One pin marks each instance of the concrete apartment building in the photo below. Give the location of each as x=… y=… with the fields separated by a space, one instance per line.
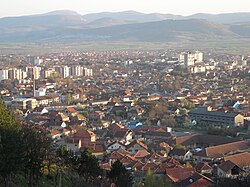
x=204 y=115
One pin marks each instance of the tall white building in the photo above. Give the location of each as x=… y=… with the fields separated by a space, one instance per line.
x=38 y=61
x=37 y=72
x=88 y=72
x=3 y=74
x=189 y=58
x=66 y=70
x=76 y=71
x=198 y=56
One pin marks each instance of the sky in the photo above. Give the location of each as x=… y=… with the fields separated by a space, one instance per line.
x=180 y=7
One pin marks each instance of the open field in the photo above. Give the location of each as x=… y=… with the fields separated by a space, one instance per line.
x=241 y=46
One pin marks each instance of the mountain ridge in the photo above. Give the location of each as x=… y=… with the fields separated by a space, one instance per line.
x=66 y=25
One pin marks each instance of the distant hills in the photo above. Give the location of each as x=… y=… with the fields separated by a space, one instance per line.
x=66 y=25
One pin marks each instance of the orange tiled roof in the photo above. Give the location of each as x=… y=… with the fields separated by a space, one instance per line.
x=220 y=150
x=71 y=110
x=242 y=159
x=179 y=174
x=137 y=142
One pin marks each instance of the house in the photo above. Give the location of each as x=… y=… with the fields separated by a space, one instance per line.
x=42 y=100
x=242 y=160
x=97 y=149
x=96 y=115
x=70 y=111
x=24 y=103
x=181 y=154
x=123 y=135
x=195 y=180
x=153 y=157
x=115 y=146
x=228 y=169
x=58 y=125
x=85 y=136
x=58 y=116
x=73 y=144
x=40 y=110
x=204 y=168
x=220 y=151
x=26 y=112
x=36 y=119
x=119 y=132
x=117 y=155
x=201 y=141
x=151 y=132
x=127 y=160
x=176 y=175
x=141 y=154
x=53 y=98
x=136 y=145
x=56 y=134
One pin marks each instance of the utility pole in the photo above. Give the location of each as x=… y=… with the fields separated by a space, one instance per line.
x=34 y=85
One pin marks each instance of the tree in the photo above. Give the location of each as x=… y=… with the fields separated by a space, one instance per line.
x=88 y=167
x=155 y=181
x=37 y=147
x=68 y=99
x=11 y=152
x=168 y=120
x=188 y=105
x=119 y=175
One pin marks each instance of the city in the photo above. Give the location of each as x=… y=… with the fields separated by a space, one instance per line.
x=134 y=93
x=168 y=111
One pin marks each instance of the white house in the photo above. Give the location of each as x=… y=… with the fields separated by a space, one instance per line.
x=115 y=146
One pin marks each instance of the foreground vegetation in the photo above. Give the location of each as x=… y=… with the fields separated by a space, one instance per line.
x=28 y=158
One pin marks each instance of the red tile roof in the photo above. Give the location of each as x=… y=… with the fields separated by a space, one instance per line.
x=71 y=110
x=227 y=165
x=141 y=154
x=179 y=174
x=242 y=159
x=137 y=142
x=149 y=165
x=203 y=166
x=221 y=150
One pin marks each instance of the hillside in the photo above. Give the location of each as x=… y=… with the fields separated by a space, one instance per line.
x=65 y=25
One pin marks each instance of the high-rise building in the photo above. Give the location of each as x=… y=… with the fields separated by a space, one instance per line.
x=15 y=73
x=87 y=72
x=76 y=71
x=189 y=58
x=64 y=71
x=36 y=72
x=3 y=74
x=38 y=61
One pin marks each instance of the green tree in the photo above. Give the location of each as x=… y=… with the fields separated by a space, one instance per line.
x=155 y=181
x=37 y=147
x=168 y=120
x=188 y=105
x=68 y=99
x=119 y=175
x=11 y=152
x=88 y=167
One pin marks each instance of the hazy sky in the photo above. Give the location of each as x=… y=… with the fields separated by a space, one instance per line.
x=182 y=7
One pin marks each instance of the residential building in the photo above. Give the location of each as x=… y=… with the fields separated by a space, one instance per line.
x=202 y=115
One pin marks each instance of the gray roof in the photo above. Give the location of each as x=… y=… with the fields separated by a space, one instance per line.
x=204 y=111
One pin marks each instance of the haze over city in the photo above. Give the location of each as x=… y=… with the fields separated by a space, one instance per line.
x=27 y=7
